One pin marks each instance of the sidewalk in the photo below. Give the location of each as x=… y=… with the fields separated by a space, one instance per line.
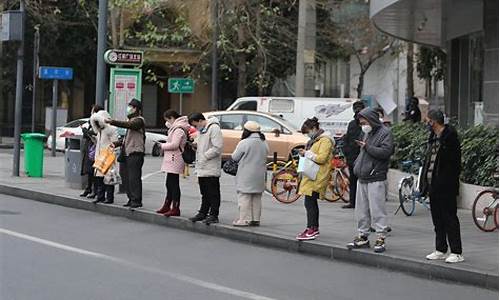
x=411 y=239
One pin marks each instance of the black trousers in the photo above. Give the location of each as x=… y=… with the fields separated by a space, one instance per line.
x=210 y=195
x=353 y=185
x=312 y=210
x=173 y=188
x=104 y=191
x=91 y=183
x=446 y=224
x=133 y=164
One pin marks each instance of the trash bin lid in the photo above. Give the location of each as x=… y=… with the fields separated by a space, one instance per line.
x=32 y=135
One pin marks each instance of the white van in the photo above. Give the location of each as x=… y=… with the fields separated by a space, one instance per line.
x=334 y=114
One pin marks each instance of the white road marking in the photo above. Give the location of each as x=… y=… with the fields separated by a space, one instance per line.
x=150 y=174
x=177 y=276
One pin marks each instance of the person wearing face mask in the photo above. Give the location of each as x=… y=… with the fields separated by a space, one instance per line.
x=173 y=163
x=440 y=177
x=351 y=151
x=371 y=168
x=133 y=147
x=319 y=150
x=209 y=145
x=106 y=136
x=88 y=156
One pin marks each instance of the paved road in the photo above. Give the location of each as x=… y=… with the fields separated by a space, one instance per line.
x=52 y=252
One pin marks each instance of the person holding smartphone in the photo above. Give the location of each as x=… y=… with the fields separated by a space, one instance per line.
x=351 y=151
x=371 y=168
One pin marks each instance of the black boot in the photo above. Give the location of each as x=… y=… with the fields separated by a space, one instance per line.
x=198 y=217
x=85 y=193
x=211 y=220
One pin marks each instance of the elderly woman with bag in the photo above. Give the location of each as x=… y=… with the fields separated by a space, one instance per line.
x=251 y=156
x=106 y=136
x=319 y=151
x=173 y=163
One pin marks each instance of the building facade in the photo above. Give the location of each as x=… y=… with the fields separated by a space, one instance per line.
x=467 y=30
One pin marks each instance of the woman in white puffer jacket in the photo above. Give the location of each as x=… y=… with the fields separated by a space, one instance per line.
x=106 y=135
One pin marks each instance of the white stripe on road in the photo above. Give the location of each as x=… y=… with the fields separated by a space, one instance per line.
x=150 y=174
x=177 y=276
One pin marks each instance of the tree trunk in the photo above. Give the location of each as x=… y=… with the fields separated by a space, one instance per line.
x=122 y=29
x=114 y=27
x=361 y=83
x=260 y=59
x=410 y=91
x=242 y=67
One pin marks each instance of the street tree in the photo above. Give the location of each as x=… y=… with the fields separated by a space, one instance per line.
x=353 y=30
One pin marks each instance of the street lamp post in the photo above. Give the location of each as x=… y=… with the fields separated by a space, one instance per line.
x=19 y=98
x=101 y=48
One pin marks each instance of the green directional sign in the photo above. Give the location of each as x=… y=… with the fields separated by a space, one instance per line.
x=180 y=85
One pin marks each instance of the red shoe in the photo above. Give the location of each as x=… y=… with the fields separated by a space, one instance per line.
x=174 y=212
x=165 y=208
x=308 y=234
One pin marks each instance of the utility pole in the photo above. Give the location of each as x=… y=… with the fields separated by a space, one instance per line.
x=19 y=97
x=36 y=46
x=215 y=32
x=101 y=48
x=306 y=49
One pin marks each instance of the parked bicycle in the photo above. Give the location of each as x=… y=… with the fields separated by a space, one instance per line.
x=282 y=179
x=409 y=192
x=485 y=210
x=338 y=185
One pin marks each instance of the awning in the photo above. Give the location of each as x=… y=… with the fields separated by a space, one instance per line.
x=418 y=21
x=428 y=22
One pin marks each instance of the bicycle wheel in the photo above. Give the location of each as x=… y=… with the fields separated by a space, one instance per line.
x=483 y=210
x=341 y=181
x=285 y=186
x=330 y=193
x=496 y=216
x=269 y=173
x=406 y=199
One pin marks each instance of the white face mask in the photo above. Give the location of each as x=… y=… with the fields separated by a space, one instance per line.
x=168 y=125
x=381 y=120
x=130 y=110
x=366 y=128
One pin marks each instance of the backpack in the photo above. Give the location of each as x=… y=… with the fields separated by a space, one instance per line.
x=188 y=153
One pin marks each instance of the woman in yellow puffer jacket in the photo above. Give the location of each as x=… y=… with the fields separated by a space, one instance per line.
x=318 y=149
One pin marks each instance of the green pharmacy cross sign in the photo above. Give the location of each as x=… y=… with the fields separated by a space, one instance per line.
x=180 y=85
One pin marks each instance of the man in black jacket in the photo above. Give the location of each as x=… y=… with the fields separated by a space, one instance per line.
x=441 y=174
x=351 y=151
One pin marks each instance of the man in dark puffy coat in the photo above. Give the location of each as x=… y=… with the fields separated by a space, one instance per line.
x=351 y=151
x=441 y=177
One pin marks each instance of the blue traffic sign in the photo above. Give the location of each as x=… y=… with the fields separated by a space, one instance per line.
x=55 y=73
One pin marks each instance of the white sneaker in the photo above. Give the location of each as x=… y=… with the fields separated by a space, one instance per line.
x=436 y=255
x=454 y=258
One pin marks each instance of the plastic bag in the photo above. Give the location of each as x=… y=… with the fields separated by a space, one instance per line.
x=308 y=167
x=105 y=160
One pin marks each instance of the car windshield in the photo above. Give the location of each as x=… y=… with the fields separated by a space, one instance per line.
x=286 y=123
x=75 y=123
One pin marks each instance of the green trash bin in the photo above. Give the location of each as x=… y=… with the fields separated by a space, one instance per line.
x=33 y=154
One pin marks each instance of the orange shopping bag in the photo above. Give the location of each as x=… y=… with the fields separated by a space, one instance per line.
x=105 y=160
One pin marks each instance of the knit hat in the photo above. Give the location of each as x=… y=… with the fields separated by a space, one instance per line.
x=252 y=126
x=135 y=103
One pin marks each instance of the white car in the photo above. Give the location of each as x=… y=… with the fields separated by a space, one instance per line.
x=73 y=128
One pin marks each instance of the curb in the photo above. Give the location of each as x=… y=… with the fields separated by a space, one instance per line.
x=414 y=267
